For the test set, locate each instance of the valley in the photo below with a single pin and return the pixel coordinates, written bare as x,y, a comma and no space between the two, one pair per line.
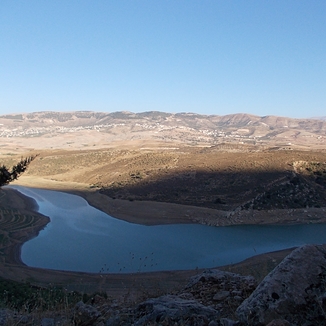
156,168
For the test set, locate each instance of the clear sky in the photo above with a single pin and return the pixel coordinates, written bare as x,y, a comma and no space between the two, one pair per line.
205,56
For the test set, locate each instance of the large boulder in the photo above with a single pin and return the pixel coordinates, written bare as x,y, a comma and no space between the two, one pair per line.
294,291
173,310
85,315
221,290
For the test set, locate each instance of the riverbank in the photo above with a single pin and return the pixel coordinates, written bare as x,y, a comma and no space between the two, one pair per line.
159,213
127,287
20,223
140,212
134,286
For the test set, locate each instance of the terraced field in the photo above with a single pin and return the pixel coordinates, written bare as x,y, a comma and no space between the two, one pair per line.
12,220
16,226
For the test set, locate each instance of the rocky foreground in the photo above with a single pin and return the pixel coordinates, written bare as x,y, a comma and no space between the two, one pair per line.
294,293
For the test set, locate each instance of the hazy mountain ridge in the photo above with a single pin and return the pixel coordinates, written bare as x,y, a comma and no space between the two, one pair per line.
192,120
182,127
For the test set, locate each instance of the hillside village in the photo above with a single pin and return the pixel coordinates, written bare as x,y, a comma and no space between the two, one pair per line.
191,128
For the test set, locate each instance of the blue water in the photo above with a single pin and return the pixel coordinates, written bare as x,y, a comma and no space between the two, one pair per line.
82,238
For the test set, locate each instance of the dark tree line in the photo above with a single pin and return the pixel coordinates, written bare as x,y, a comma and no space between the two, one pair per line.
7,176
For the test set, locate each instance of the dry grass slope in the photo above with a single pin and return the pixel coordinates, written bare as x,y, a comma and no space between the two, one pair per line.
193,176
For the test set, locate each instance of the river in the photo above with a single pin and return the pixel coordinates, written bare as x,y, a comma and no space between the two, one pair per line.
83,238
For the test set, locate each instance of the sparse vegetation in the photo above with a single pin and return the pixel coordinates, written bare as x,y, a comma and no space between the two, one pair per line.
295,193
28,297
7,176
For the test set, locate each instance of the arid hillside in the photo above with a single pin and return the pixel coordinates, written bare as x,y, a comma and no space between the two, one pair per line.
231,164
84,130
207,177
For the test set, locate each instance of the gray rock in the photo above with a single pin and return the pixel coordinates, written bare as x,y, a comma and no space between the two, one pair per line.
25,319
213,323
294,291
47,322
173,310
279,322
4,313
220,296
10,317
113,321
238,298
221,290
218,276
85,314
228,322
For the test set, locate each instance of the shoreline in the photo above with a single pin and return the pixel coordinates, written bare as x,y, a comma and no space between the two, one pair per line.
15,199
138,212
133,287
14,268
160,213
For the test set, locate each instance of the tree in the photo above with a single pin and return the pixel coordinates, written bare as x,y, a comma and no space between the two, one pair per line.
7,176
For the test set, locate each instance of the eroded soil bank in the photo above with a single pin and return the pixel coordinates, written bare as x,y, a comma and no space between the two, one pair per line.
156,213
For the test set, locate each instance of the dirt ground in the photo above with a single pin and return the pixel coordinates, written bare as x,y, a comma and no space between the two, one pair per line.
189,184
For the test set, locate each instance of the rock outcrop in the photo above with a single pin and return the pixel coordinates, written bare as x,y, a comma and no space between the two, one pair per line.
85,314
294,291
224,291
173,310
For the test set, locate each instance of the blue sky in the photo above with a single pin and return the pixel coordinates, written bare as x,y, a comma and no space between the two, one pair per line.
210,57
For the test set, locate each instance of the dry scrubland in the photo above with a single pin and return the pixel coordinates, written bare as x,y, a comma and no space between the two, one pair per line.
189,184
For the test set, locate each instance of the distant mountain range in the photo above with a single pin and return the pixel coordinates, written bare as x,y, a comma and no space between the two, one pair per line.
320,118
184,127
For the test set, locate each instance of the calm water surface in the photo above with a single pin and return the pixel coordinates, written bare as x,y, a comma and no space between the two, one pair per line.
82,238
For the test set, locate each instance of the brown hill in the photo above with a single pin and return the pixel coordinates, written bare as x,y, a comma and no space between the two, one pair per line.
199,177
84,128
